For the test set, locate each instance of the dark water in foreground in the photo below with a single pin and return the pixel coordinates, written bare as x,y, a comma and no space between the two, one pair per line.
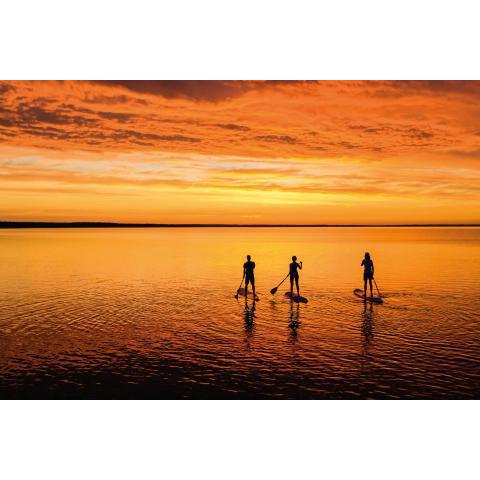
133,313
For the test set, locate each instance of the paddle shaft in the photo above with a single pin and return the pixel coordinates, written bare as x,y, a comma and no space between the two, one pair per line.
282,281
241,283
379,294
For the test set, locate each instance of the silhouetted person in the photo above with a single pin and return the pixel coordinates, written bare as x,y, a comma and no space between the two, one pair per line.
248,268
294,266
368,270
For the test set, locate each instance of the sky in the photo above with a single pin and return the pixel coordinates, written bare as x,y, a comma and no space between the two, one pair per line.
251,152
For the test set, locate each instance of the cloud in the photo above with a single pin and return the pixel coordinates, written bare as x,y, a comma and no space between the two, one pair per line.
281,119
207,90
112,100
256,140
399,88
256,172
6,87
152,136
366,129
465,153
277,139
233,126
418,133
32,114
120,117
200,90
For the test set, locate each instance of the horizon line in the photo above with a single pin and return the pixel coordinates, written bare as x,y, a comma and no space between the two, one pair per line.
10,224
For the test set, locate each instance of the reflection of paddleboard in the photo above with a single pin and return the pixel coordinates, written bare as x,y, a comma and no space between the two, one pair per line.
359,293
241,292
296,298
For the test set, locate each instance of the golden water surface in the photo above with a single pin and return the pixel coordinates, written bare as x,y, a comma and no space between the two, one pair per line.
151,313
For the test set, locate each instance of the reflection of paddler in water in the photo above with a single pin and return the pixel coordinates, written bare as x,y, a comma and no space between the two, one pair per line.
294,266
248,268
368,270
249,323
249,313
294,315
367,326
294,321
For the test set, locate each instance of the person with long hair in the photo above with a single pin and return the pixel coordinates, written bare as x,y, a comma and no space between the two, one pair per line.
368,270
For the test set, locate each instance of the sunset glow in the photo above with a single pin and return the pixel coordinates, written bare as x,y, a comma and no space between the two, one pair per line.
240,152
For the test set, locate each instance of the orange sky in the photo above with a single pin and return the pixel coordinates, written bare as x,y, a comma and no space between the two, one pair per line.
240,152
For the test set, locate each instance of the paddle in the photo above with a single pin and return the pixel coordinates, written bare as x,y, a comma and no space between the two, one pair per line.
377,288
273,291
241,283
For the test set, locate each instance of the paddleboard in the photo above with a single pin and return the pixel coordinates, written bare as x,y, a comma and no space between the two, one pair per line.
241,292
359,293
296,298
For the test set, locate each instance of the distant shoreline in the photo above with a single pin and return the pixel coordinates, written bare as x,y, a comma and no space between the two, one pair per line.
9,225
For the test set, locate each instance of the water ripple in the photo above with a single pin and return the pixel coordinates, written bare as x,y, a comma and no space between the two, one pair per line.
117,327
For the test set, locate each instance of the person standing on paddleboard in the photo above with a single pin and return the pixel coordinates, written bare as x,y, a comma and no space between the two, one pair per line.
368,270
294,266
248,268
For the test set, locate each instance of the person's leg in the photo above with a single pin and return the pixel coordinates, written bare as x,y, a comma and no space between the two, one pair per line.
371,288
291,285
247,280
296,283
365,286
252,281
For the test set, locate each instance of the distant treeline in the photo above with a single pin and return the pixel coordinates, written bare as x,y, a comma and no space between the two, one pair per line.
200,225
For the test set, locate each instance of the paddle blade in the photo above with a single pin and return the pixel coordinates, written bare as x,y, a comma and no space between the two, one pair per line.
273,291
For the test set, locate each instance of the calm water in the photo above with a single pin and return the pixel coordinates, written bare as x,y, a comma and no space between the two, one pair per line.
133,313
